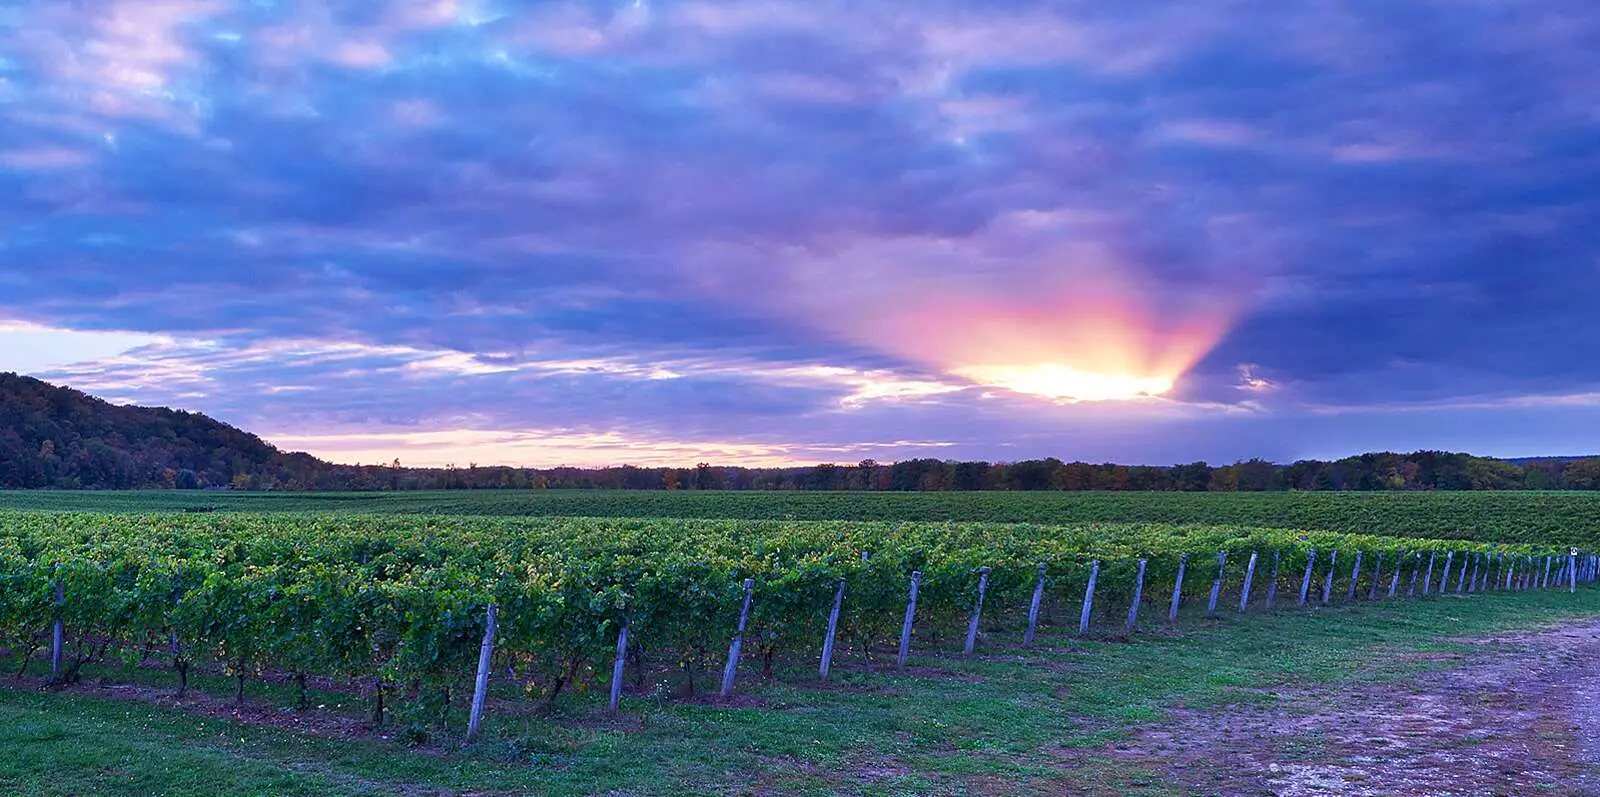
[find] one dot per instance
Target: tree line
(55, 437)
(1422, 470)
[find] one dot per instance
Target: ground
(1511, 714)
(1488, 694)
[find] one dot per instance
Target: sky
(757, 232)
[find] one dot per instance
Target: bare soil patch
(318, 723)
(1517, 714)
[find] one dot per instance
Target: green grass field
(1556, 517)
(1009, 720)
(996, 724)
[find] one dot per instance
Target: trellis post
(977, 609)
(1249, 579)
(833, 630)
(1177, 587)
(1033, 607)
(1305, 580)
(1355, 576)
(617, 665)
(1216, 586)
(1088, 598)
(1333, 572)
(735, 649)
(480, 688)
(911, 615)
(58, 629)
(1138, 594)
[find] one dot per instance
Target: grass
(990, 724)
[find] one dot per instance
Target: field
(313, 649)
(1545, 517)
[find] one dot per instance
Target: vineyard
(398, 605)
(1559, 518)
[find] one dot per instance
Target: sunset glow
(537, 233)
(1064, 383)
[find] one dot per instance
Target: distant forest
(55, 437)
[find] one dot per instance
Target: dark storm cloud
(1356, 204)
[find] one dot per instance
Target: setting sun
(1064, 383)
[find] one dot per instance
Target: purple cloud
(816, 227)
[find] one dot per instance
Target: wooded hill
(56, 437)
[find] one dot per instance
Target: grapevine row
(399, 603)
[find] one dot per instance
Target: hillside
(58, 437)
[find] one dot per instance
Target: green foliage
(1570, 518)
(401, 601)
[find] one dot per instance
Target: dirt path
(1518, 714)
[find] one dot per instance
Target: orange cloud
(1016, 308)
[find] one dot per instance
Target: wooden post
(1477, 562)
(1305, 580)
(1394, 580)
(1138, 594)
(1444, 579)
(911, 615)
(977, 609)
(1216, 586)
(1177, 587)
(1249, 578)
(480, 689)
(1333, 570)
(58, 630)
(1355, 576)
(833, 629)
(1416, 570)
(1033, 607)
(1088, 598)
(1511, 570)
(616, 666)
(1377, 571)
(1572, 571)
(1272, 587)
(1544, 583)
(1427, 582)
(737, 647)
(1461, 581)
